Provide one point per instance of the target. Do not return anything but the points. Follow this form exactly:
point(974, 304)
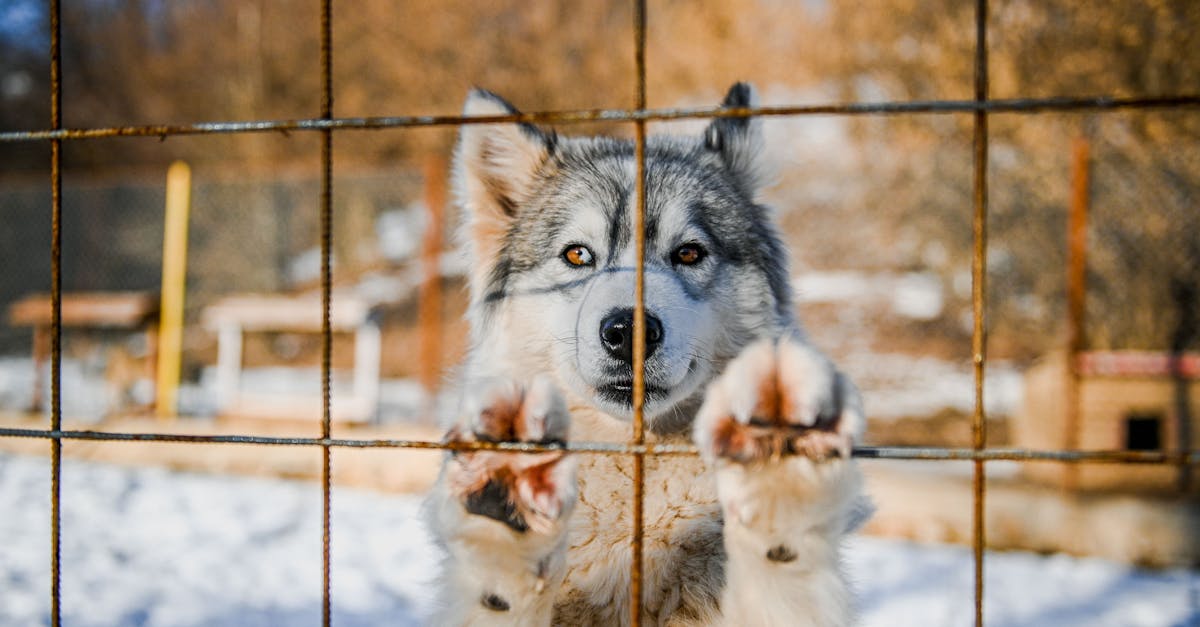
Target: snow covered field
point(152, 547)
point(893, 386)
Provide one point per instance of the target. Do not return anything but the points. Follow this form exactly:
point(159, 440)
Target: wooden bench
point(125, 311)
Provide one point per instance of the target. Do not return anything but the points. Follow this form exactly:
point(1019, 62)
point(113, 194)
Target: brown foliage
point(143, 62)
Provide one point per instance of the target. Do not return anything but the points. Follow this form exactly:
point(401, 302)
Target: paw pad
point(781, 554)
point(494, 603)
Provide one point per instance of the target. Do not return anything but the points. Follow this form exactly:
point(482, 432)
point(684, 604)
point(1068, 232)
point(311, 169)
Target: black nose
point(616, 333)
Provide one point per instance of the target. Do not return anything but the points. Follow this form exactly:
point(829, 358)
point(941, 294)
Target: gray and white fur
point(749, 533)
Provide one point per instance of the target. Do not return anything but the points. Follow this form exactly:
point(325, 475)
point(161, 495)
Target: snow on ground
point(87, 396)
point(897, 385)
point(913, 295)
point(893, 386)
point(153, 547)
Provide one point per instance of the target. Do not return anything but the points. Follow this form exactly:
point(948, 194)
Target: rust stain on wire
point(55, 314)
point(639, 319)
point(1015, 105)
point(326, 297)
point(979, 298)
point(934, 454)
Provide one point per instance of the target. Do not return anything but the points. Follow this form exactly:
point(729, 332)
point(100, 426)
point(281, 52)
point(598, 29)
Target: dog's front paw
point(778, 427)
point(502, 515)
point(525, 491)
point(779, 398)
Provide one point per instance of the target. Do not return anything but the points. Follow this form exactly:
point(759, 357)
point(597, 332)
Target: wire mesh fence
point(1123, 176)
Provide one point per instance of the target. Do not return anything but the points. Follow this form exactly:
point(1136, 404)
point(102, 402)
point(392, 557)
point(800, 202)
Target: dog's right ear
point(495, 168)
point(739, 141)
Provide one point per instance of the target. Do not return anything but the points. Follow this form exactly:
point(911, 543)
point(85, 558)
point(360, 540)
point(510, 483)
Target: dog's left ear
point(739, 141)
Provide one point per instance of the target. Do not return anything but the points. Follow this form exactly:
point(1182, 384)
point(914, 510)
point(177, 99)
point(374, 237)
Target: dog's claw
point(778, 398)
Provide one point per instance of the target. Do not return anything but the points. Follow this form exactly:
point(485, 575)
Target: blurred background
point(1091, 345)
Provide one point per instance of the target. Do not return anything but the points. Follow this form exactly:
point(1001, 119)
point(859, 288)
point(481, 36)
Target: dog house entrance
point(1143, 431)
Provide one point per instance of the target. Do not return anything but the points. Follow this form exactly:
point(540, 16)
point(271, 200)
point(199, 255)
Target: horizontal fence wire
point(1015, 105)
point(1191, 457)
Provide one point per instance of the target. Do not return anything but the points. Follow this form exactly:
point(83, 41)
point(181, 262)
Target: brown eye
point(578, 255)
point(688, 255)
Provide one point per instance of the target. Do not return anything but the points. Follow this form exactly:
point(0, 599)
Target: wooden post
point(430, 305)
point(1076, 299)
point(174, 286)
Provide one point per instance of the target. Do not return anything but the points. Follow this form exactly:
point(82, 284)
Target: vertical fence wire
point(979, 296)
point(639, 316)
point(55, 315)
point(326, 305)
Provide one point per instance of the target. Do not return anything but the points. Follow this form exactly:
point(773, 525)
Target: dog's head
point(551, 234)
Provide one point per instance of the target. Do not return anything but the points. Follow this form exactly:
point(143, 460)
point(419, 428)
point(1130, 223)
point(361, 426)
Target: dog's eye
point(688, 255)
point(578, 255)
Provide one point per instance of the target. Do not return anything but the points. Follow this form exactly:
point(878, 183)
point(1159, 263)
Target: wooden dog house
point(1127, 400)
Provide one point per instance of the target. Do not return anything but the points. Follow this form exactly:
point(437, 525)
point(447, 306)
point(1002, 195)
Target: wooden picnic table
point(234, 316)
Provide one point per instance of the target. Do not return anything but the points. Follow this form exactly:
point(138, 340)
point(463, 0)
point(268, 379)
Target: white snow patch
point(88, 397)
point(399, 231)
point(305, 266)
point(833, 287)
point(152, 547)
point(86, 393)
point(901, 583)
point(899, 385)
point(916, 295)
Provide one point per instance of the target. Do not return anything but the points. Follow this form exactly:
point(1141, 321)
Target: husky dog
point(746, 534)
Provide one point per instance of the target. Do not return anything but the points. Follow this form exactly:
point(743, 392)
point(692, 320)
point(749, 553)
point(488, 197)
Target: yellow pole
point(174, 284)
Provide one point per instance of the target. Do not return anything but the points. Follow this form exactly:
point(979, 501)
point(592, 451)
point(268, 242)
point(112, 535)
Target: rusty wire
point(55, 314)
point(933, 453)
point(979, 301)
point(582, 116)
point(639, 318)
point(326, 306)
point(980, 107)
